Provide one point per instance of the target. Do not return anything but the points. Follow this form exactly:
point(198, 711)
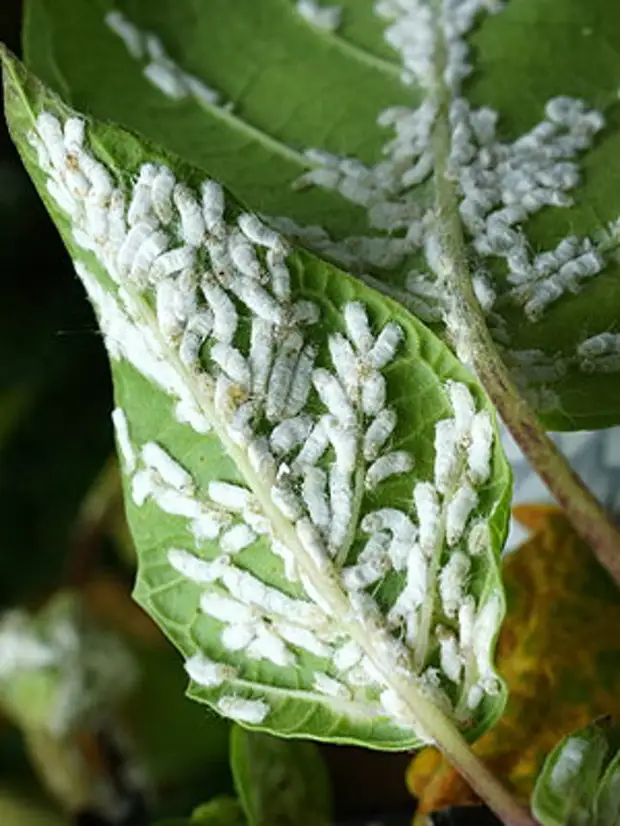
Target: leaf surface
point(558, 652)
point(295, 87)
point(346, 586)
point(580, 780)
point(280, 782)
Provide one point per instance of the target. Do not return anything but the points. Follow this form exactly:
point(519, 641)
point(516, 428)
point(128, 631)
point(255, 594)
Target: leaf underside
point(294, 86)
point(292, 688)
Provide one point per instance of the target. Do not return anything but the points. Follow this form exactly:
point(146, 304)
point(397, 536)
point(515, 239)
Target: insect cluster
point(201, 302)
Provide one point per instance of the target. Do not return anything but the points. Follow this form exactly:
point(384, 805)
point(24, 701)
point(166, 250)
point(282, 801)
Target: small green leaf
point(344, 460)
point(221, 811)
point(529, 53)
point(579, 784)
point(280, 782)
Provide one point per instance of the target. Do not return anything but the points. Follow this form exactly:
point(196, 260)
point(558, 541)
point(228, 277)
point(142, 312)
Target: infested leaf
point(354, 171)
point(279, 782)
point(347, 465)
point(580, 780)
point(558, 652)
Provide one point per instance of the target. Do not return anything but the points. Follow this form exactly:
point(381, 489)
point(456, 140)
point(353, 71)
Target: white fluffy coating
point(207, 673)
point(428, 510)
point(458, 512)
point(242, 710)
point(391, 464)
point(322, 17)
point(121, 428)
point(378, 432)
point(453, 582)
point(479, 450)
point(330, 686)
point(156, 458)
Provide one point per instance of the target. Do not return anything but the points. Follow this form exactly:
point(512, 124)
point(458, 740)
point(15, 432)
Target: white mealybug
point(286, 500)
point(305, 312)
point(282, 375)
point(358, 329)
point(193, 568)
point(142, 486)
point(288, 560)
point(458, 512)
point(466, 619)
point(226, 609)
point(130, 35)
point(248, 588)
point(257, 300)
point(290, 433)
point(149, 251)
point(330, 686)
point(347, 656)
point(208, 525)
point(197, 330)
point(269, 646)
point(117, 226)
point(344, 442)
point(156, 458)
point(315, 498)
point(390, 464)
point(192, 223)
point(479, 450)
point(99, 177)
point(261, 459)
point(237, 538)
point(452, 582)
point(161, 194)
point(379, 431)
point(341, 505)
point(449, 654)
point(311, 542)
point(229, 496)
point(207, 673)
point(237, 636)
point(333, 396)
point(243, 255)
point(232, 362)
point(177, 503)
point(240, 428)
point(203, 93)
point(169, 82)
point(301, 382)
point(485, 631)
point(213, 206)
point(345, 362)
point(261, 347)
point(50, 131)
point(464, 408)
point(427, 507)
point(128, 250)
point(446, 453)
point(224, 312)
point(384, 349)
point(302, 638)
point(323, 17)
point(171, 262)
point(258, 233)
point(121, 428)
point(479, 538)
point(374, 393)
point(141, 199)
point(280, 276)
point(315, 445)
point(474, 697)
point(245, 711)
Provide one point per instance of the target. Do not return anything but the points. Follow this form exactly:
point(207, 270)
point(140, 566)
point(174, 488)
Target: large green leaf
point(279, 782)
point(367, 614)
point(579, 784)
point(295, 86)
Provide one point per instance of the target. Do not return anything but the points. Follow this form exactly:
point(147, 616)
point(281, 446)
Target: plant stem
point(471, 336)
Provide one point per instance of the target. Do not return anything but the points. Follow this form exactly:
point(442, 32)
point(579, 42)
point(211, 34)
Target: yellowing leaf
point(559, 652)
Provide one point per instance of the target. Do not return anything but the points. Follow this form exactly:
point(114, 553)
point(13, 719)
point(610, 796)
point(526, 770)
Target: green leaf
point(221, 811)
point(280, 782)
point(285, 636)
point(256, 148)
point(579, 784)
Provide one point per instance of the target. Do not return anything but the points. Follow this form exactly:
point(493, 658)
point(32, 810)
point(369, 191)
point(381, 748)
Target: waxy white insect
point(245, 711)
point(458, 512)
point(267, 645)
point(384, 349)
point(449, 654)
point(358, 328)
point(331, 687)
point(315, 497)
point(229, 495)
point(303, 638)
point(129, 34)
point(323, 17)
point(378, 432)
point(479, 450)
point(301, 383)
point(333, 396)
point(341, 506)
point(224, 312)
point(213, 206)
point(232, 362)
point(446, 453)
point(374, 393)
point(244, 256)
point(237, 538)
point(391, 464)
point(427, 507)
point(207, 673)
point(453, 582)
point(194, 568)
point(312, 543)
point(165, 79)
point(261, 346)
point(156, 458)
point(290, 433)
point(226, 609)
point(345, 362)
point(282, 375)
point(121, 428)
